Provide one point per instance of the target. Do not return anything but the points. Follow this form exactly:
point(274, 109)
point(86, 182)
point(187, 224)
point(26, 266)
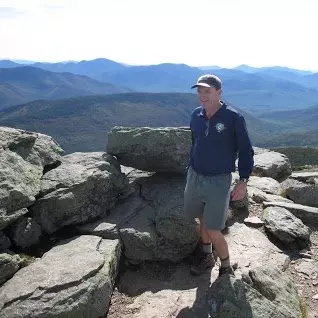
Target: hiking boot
point(202, 263)
point(226, 271)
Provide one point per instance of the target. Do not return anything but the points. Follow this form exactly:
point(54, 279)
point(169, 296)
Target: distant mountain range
point(253, 89)
point(294, 120)
point(27, 83)
point(69, 100)
point(81, 123)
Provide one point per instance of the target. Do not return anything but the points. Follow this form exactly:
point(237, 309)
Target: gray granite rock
point(158, 229)
point(151, 149)
point(23, 158)
point(266, 184)
point(9, 264)
point(272, 164)
point(305, 194)
point(73, 279)
point(308, 214)
point(83, 187)
point(286, 227)
point(269, 293)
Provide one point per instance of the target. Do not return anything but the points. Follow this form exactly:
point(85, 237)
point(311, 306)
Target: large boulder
point(158, 229)
point(304, 194)
point(286, 227)
point(73, 279)
point(9, 264)
point(273, 165)
point(151, 149)
point(19, 185)
point(266, 292)
point(23, 158)
point(35, 148)
point(83, 187)
point(308, 214)
point(305, 176)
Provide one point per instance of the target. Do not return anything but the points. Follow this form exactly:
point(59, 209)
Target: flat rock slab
point(304, 176)
point(251, 248)
point(307, 267)
point(307, 214)
point(260, 196)
point(161, 290)
point(73, 279)
point(108, 227)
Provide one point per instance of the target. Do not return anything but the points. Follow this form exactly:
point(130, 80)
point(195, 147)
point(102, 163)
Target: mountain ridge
point(81, 123)
point(27, 83)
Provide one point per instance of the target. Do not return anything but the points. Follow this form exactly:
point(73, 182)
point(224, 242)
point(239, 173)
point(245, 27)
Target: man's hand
point(239, 191)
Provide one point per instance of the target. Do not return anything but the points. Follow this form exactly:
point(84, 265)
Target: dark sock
point(207, 248)
point(225, 262)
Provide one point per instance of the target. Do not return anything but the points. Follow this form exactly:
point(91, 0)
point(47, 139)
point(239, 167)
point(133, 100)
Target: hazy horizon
point(199, 66)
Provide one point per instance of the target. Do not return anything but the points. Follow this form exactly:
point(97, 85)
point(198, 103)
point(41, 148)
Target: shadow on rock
point(157, 276)
point(227, 297)
point(200, 307)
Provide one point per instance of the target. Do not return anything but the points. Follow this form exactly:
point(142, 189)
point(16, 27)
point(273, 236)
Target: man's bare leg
point(217, 239)
point(204, 259)
point(219, 242)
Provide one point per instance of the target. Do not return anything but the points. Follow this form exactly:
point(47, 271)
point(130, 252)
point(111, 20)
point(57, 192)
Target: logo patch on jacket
point(219, 127)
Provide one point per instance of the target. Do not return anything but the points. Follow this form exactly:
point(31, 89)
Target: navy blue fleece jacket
point(217, 142)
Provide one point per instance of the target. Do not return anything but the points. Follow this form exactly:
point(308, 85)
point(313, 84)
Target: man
point(219, 136)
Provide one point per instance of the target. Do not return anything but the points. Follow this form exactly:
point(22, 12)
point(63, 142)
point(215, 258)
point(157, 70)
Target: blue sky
point(204, 32)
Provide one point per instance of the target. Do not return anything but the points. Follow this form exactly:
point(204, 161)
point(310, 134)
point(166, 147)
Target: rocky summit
point(102, 234)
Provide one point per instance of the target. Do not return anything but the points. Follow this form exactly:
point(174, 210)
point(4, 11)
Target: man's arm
point(245, 149)
point(245, 158)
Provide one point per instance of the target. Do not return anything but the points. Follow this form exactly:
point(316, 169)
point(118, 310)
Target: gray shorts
point(207, 197)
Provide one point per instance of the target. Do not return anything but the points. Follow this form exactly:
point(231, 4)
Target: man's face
point(208, 95)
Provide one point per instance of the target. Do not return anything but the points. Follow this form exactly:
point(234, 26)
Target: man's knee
point(214, 234)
